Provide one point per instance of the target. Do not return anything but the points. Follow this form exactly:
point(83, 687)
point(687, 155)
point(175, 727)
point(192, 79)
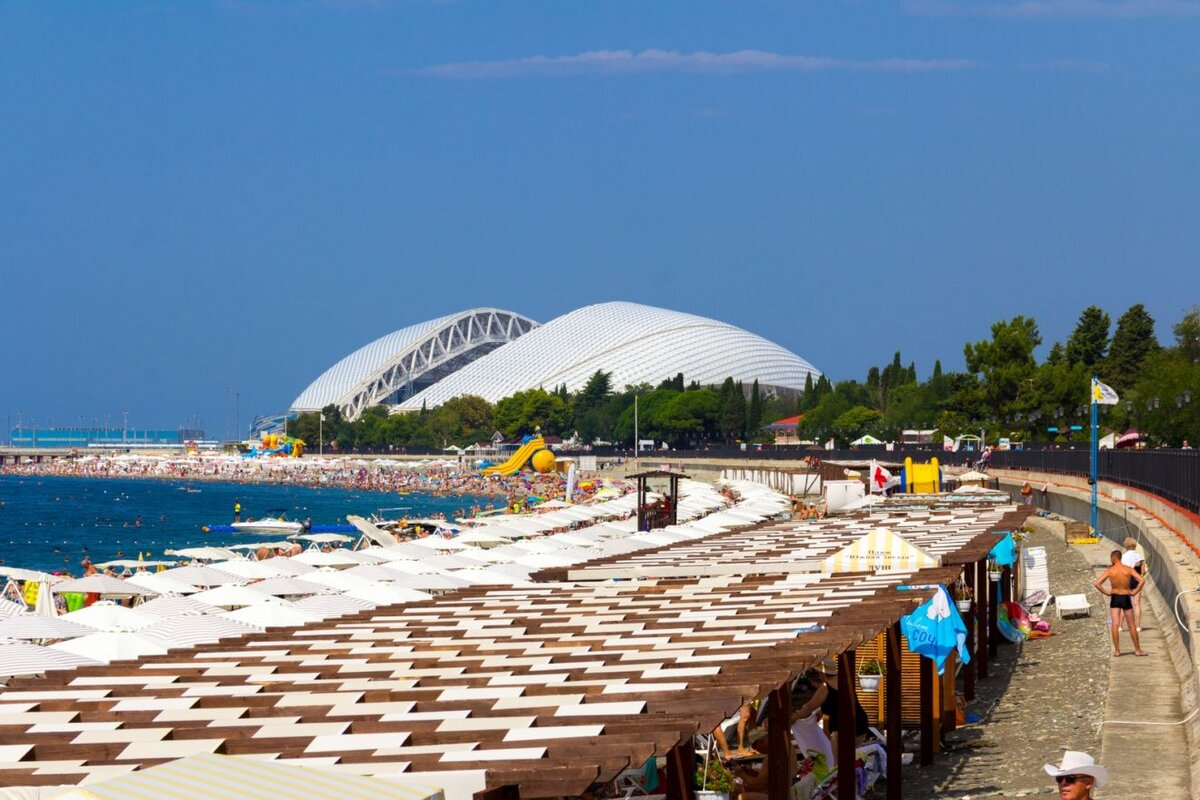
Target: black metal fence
point(1173, 475)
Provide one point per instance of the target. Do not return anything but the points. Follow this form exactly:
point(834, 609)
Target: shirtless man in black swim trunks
point(1123, 585)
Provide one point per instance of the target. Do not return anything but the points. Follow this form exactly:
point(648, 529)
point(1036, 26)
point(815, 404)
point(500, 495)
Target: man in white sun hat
point(1077, 775)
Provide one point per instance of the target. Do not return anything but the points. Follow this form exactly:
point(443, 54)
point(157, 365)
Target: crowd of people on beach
point(440, 478)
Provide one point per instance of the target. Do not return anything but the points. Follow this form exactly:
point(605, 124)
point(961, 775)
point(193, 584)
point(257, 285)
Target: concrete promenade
point(1143, 741)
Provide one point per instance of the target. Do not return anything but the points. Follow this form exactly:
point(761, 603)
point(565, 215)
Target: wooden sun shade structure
point(543, 691)
point(663, 512)
point(912, 693)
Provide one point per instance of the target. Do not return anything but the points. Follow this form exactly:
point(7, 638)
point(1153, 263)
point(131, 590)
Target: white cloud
point(624, 62)
point(1052, 9)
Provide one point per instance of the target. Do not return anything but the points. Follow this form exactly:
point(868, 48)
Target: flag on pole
point(322, 418)
point(948, 444)
point(881, 479)
point(1103, 394)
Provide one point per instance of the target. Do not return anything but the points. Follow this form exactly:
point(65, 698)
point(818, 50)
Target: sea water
point(51, 523)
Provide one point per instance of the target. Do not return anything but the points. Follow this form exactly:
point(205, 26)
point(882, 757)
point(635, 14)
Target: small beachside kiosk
point(664, 510)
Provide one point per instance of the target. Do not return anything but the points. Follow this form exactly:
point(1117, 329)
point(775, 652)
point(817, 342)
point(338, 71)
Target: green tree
point(1005, 363)
point(1088, 343)
point(689, 418)
point(462, 420)
point(857, 421)
point(521, 413)
point(1187, 335)
point(1132, 343)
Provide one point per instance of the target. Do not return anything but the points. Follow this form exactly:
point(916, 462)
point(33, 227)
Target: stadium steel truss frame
point(449, 344)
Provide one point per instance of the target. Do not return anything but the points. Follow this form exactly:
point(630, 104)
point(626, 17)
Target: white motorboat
point(268, 525)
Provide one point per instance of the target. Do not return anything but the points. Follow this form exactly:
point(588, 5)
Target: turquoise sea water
point(50, 523)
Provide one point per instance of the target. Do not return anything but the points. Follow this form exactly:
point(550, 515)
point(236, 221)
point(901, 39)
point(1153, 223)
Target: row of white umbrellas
point(196, 604)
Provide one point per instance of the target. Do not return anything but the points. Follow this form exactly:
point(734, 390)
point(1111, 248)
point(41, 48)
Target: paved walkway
point(1041, 697)
point(1146, 759)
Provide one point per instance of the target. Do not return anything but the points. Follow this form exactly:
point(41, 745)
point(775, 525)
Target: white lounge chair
point(1072, 604)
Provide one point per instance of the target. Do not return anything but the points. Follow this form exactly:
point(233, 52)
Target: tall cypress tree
point(754, 411)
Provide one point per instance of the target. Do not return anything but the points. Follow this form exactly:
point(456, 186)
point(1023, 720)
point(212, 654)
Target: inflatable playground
point(276, 445)
point(533, 454)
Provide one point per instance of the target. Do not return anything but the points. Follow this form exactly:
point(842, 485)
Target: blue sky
point(235, 194)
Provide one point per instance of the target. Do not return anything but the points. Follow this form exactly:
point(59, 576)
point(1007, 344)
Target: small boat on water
point(272, 523)
point(267, 526)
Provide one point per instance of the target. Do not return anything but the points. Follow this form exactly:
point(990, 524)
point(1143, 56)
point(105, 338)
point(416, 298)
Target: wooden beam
point(847, 700)
point(927, 701)
point(781, 758)
point(892, 718)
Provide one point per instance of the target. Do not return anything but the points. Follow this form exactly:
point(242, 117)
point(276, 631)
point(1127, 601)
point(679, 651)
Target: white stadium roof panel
point(635, 343)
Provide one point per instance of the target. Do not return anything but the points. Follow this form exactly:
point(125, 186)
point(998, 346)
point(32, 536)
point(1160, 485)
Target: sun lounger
point(1072, 604)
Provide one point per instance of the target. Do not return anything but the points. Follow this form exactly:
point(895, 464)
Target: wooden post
point(780, 754)
point(847, 699)
point(1006, 587)
point(947, 702)
point(681, 769)
point(969, 620)
point(993, 618)
point(981, 617)
point(927, 700)
point(892, 719)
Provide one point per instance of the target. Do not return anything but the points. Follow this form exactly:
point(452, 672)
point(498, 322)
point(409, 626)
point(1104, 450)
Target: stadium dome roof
point(635, 343)
point(395, 366)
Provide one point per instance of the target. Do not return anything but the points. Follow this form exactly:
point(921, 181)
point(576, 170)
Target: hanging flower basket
point(995, 576)
point(964, 606)
point(705, 794)
point(869, 674)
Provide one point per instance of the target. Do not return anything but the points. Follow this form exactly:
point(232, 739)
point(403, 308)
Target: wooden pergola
point(544, 690)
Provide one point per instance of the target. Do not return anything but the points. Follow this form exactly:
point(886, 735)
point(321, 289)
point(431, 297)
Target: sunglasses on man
point(1067, 779)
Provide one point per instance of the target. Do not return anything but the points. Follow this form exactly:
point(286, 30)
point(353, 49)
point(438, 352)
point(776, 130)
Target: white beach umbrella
point(438, 543)
point(289, 587)
point(22, 658)
point(384, 594)
point(175, 606)
point(100, 584)
point(250, 569)
point(332, 605)
point(451, 562)
point(34, 626)
point(204, 553)
point(341, 581)
point(430, 583)
point(374, 572)
point(231, 596)
point(410, 566)
point(482, 538)
point(45, 606)
point(112, 646)
point(290, 566)
point(189, 630)
point(107, 616)
point(274, 614)
point(319, 558)
point(159, 583)
point(202, 576)
point(10, 609)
